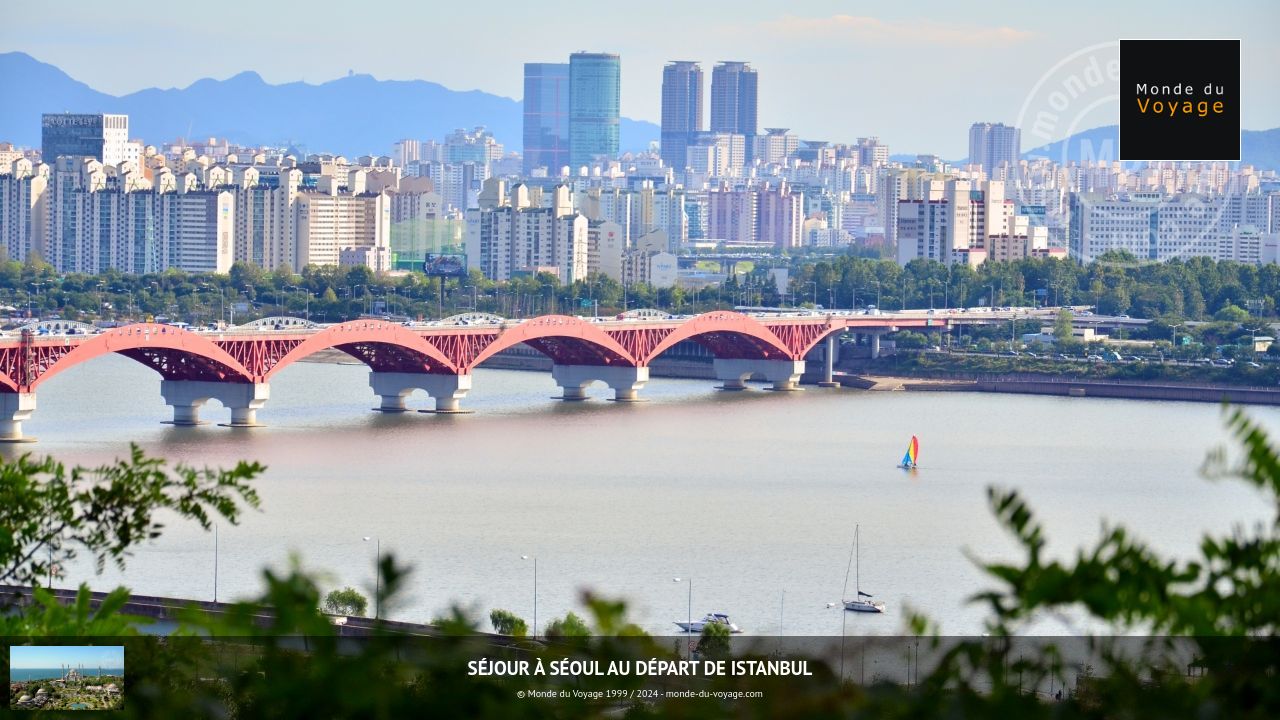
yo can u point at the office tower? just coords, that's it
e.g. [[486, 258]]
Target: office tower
[[102, 137], [734, 89], [993, 145], [681, 110], [595, 81], [546, 117]]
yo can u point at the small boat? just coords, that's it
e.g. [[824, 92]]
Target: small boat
[[861, 601], [708, 619], [913, 452]]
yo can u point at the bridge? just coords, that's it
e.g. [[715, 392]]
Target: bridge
[[235, 365]]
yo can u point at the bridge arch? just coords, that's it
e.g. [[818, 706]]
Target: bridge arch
[[728, 335], [279, 322], [382, 345], [175, 353], [566, 340]]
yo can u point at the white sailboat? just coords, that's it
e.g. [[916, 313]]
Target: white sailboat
[[861, 601]]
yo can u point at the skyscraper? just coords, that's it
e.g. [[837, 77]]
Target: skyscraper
[[546, 116], [734, 88], [681, 110], [595, 81], [991, 145]]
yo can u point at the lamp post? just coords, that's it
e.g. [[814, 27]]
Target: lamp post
[[535, 592], [215, 562], [377, 588], [815, 293], [689, 626]]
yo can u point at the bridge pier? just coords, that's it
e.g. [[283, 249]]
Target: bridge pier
[[14, 409], [626, 381], [394, 388], [188, 396], [829, 362], [875, 345], [734, 372]]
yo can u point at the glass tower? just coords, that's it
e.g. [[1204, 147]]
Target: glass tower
[[546, 116], [734, 101], [681, 110], [595, 81]]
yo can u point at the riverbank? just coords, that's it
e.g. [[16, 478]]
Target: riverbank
[[895, 376]]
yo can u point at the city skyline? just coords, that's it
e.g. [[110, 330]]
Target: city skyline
[[815, 61]]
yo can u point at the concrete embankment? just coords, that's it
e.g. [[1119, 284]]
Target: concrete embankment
[[865, 378]]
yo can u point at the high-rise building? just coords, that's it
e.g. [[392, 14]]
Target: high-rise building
[[681, 110], [22, 209], [1158, 226], [104, 138], [546, 117], [734, 87], [329, 223], [508, 233], [994, 145], [595, 82]]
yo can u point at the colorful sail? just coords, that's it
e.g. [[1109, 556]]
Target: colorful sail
[[913, 452]]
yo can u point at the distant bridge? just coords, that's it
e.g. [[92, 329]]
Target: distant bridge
[[235, 366]]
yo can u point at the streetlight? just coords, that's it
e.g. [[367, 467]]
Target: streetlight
[[689, 626], [377, 588], [535, 592], [815, 293]]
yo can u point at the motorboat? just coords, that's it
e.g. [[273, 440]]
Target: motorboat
[[709, 619]]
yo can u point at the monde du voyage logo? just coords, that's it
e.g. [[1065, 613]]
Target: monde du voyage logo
[[1180, 99]]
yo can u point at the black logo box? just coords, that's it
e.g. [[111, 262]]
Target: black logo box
[[1185, 65]]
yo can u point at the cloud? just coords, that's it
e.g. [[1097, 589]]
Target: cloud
[[871, 30]]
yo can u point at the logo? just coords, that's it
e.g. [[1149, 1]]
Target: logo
[[1180, 100]]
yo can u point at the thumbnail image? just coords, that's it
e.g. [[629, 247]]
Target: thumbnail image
[[66, 677]]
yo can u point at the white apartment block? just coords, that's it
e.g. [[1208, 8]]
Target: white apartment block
[[22, 208], [508, 234], [957, 221], [1159, 227], [328, 222]]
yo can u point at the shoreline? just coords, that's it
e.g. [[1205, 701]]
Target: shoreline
[[1021, 384]]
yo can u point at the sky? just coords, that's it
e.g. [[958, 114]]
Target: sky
[[53, 656], [915, 74]]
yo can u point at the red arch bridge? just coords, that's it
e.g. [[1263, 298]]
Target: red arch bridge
[[235, 365]]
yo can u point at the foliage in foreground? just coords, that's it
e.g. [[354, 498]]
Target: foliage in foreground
[[49, 515]]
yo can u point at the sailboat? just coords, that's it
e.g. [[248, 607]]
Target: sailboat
[[913, 452], [858, 603]]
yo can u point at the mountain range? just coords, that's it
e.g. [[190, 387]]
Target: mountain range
[[1259, 148], [344, 115], [353, 115]]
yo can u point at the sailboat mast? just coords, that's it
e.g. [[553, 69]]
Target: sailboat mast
[[857, 578]]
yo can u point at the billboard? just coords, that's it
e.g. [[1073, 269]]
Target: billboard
[[445, 265]]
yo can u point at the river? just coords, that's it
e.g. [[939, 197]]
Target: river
[[754, 496]]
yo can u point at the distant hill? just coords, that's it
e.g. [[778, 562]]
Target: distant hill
[[1259, 148], [353, 115]]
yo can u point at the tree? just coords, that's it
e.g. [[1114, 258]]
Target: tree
[[506, 622], [1063, 325], [1232, 313], [571, 626], [714, 641], [347, 601], [49, 514]]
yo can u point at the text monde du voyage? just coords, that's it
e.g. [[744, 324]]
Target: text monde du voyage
[[1181, 99]]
